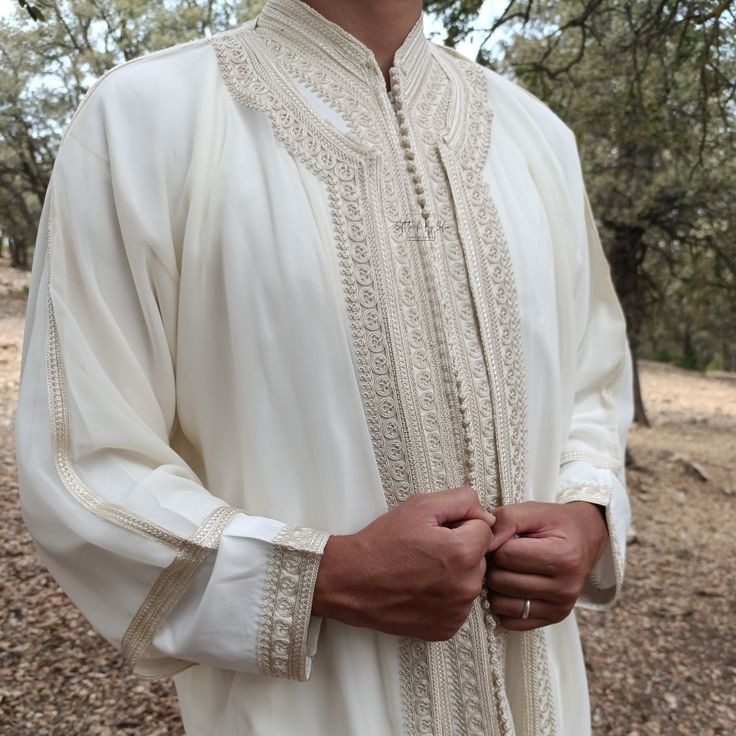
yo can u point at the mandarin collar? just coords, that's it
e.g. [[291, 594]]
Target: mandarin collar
[[311, 31]]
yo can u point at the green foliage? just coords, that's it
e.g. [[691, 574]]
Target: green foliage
[[689, 358], [458, 18], [47, 67], [648, 87]]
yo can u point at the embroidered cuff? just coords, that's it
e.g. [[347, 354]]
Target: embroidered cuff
[[598, 493], [596, 459], [286, 635], [166, 592], [580, 481]]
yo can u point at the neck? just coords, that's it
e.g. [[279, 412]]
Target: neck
[[381, 25]]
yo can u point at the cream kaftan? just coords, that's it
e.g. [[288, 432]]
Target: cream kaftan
[[270, 300]]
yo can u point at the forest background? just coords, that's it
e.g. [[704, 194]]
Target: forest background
[[647, 86]]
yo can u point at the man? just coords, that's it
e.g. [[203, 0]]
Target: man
[[310, 300]]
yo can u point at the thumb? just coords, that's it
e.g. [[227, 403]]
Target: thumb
[[516, 519], [458, 504], [476, 534]]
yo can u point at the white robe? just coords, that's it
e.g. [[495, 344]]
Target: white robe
[[268, 303]]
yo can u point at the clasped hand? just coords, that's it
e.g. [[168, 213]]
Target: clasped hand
[[416, 570], [542, 552]]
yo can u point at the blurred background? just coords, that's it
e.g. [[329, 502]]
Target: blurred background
[[649, 88]]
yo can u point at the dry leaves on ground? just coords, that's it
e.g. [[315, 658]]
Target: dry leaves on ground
[[661, 662]]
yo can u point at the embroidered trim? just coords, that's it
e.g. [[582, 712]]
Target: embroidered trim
[[172, 582], [599, 493], [618, 564], [309, 28], [423, 404], [60, 430], [469, 373], [597, 459], [492, 286], [619, 554], [287, 602], [190, 553], [541, 712]]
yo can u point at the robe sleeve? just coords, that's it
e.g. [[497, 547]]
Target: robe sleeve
[[164, 570], [593, 456]]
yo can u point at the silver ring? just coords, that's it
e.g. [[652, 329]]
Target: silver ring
[[527, 608]]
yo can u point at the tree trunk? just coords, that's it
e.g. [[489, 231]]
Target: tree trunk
[[729, 357], [640, 414], [18, 254], [625, 258]]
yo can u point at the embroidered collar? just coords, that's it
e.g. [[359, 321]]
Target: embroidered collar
[[310, 30]]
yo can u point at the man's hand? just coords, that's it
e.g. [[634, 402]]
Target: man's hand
[[414, 571], [556, 548]]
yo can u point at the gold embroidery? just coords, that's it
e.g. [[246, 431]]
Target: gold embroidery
[[436, 349], [450, 667], [599, 493], [597, 459], [619, 554], [287, 602], [60, 429], [190, 553], [172, 582], [494, 294]]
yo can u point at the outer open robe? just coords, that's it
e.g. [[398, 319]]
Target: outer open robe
[[269, 301]]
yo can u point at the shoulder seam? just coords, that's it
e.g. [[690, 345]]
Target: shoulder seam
[[122, 65]]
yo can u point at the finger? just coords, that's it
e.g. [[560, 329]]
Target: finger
[[510, 607], [458, 504], [520, 585], [518, 518], [476, 534], [531, 555], [522, 624], [457, 524]]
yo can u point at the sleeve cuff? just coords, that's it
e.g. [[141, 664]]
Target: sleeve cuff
[[581, 481], [288, 633]]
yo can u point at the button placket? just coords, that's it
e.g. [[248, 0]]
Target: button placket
[[397, 98], [398, 103]]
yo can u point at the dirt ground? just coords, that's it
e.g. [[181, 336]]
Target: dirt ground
[[661, 662]]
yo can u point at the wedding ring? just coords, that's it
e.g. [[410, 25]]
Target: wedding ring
[[527, 608]]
